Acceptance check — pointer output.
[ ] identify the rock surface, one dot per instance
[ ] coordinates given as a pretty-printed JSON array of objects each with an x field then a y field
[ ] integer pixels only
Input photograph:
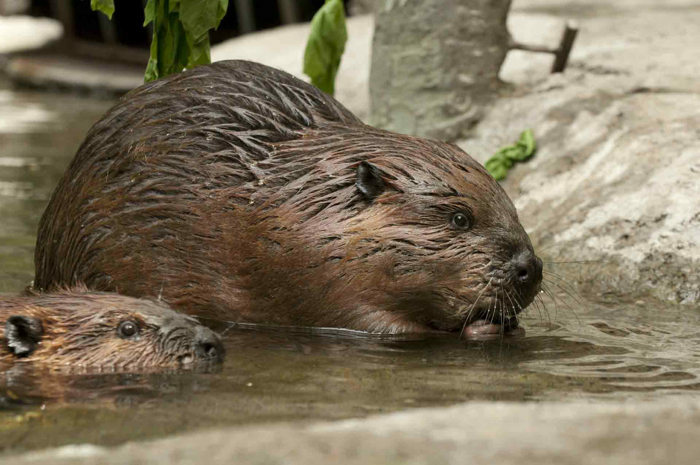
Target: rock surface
[
  {"x": 479, "y": 433},
  {"x": 19, "y": 33},
  {"x": 74, "y": 74}
]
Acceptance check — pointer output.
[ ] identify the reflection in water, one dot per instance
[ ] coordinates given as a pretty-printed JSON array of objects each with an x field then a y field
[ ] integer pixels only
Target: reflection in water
[
  {"x": 598, "y": 351},
  {"x": 26, "y": 115},
  {"x": 25, "y": 384}
]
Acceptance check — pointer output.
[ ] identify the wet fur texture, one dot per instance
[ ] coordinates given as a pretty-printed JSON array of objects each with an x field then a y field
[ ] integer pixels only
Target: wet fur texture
[
  {"x": 231, "y": 189},
  {"x": 80, "y": 330}
]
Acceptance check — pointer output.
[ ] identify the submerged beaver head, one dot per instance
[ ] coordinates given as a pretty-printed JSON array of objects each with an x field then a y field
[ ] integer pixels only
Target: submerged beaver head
[
  {"x": 246, "y": 194},
  {"x": 106, "y": 331}
]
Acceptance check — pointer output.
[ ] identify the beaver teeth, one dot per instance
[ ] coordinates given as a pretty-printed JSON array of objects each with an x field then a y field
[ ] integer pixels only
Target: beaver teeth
[{"x": 480, "y": 328}]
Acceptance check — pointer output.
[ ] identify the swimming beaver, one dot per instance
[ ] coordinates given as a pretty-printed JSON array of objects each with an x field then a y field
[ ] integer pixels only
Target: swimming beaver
[
  {"x": 78, "y": 328},
  {"x": 246, "y": 194}
]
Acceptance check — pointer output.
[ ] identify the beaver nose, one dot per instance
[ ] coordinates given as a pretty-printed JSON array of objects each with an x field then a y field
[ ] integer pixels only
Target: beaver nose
[
  {"x": 207, "y": 345},
  {"x": 528, "y": 269}
]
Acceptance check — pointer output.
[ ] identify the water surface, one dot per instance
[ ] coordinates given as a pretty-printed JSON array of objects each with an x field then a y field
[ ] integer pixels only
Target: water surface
[{"x": 575, "y": 349}]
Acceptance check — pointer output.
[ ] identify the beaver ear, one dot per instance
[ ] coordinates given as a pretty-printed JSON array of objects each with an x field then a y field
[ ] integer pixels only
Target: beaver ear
[
  {"x": 369, "y": 180},
  {"x": 22, "y": 334}
]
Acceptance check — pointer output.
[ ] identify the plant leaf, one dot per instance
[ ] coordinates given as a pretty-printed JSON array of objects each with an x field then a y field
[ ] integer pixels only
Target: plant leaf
[
  {"x": 105, "y": 6},
  {"x": 199, "y": 53},
  {"x": 199, "y": 16},
  {"x": 173, "y": 52},
  {"x": 326, "y": 45},
  {"x": 180, "y": 34},
  {"x": 152, "y": 69},
  {"x": 527, "y": 140},
  {"x": 149, "y": 12},
  {"x": 503, "y": 160},
  {"x": 513, "y": 152},
  {"x": 497, "y": 167}
]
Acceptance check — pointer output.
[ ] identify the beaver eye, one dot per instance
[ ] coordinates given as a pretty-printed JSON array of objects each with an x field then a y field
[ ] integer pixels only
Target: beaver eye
[
  {"x": 461, "y": 221},
  {"x": 127, "y": 329}
]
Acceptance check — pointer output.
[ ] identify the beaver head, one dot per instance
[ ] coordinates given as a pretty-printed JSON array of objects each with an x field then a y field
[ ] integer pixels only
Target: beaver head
[
  {"x": 401, "y": 233},
  {"x": 106, "y": 331}
]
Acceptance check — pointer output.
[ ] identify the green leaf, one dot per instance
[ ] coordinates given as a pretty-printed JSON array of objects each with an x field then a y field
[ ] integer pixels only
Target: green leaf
[
  {"x": 513, "y": 152},
  {"x": 105, "y": 6},
  {"x": 326, "y": 45},
  {"x": 199, "y": 53},
  {"x": 527, "y": 140},
  {"x": 149, "y": 12},
  {"x": 173, "y": 51},
  {"x": 503, "y": 160},
  {"x": 169, "y": 50},
  {"x": 151, "y": 70},
  {"x": 180, "y": 34},
  {"x": 498, "y": 167},
  {"x": 198, "y": 17}
]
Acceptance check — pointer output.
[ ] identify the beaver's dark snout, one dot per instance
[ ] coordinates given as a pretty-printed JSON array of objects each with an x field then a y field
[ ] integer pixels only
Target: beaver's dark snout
[
  {"x": 207, "y": 345},
  {"x": 526, "y": 273}
]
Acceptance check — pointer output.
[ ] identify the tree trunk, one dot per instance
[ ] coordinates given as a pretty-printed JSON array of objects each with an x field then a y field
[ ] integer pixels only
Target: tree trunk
[{"x": 435, "y": 64}]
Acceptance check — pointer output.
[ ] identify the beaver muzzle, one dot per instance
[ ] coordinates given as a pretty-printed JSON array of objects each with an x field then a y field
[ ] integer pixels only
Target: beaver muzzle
[{"x": 511, "y": 288}]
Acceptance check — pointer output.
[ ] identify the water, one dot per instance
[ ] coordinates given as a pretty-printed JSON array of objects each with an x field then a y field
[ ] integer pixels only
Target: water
[
  {"x": 577, "y": 350},
  {"x": 39, "y": 134}
]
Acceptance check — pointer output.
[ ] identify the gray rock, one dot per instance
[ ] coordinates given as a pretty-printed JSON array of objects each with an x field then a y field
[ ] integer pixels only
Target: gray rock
[
  {"x": 63, "y": 72},
  {"x": 361, "y": 7},
  {"x": 640, "y": 433},
  {"x": 18, "y": 33}
]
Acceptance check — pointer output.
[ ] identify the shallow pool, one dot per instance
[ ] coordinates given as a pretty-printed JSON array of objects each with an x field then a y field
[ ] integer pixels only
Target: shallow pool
[{"x": 573, "y": 349}]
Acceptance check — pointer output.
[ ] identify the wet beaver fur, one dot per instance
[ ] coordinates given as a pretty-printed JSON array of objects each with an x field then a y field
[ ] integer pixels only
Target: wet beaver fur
[
  {"x": 78, "y": 328},
  {"x": 243, "y": 193}
]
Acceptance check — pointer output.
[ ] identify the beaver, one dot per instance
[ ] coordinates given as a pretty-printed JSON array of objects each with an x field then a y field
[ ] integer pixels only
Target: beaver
[
  {"x": 246, "y": 194},
  {"x": 79, "y": 328}
]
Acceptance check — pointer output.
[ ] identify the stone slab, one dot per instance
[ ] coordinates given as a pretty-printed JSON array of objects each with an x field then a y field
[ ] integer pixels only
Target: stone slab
[
  {"x": 67, "y": 73},
  {"x": 18, "y": 33},
  {"x": 639, "y": 433}
]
